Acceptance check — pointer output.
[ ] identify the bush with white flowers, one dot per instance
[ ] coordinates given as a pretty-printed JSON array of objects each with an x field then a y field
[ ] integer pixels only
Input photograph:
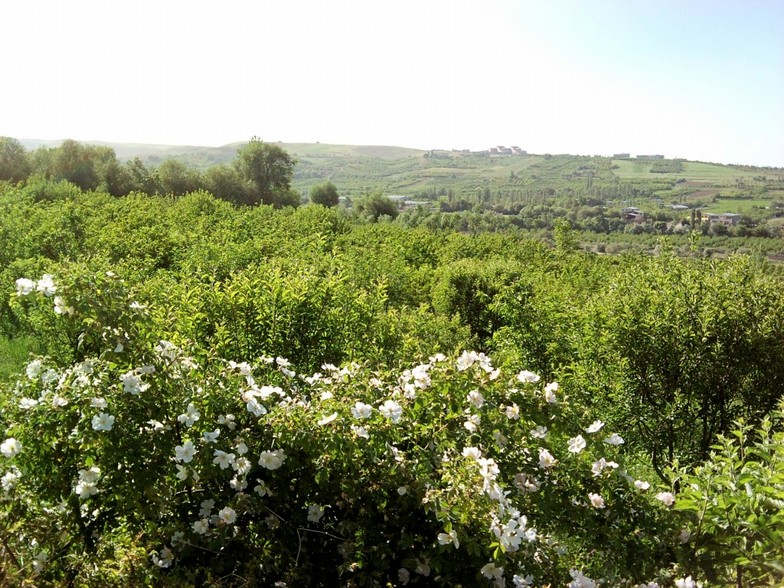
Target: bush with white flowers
[{"x": 158, "y": 463}]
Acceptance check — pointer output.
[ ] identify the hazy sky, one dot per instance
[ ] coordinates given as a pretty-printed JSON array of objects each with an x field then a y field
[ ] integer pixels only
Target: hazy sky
[{"x": 701, "y": 79}]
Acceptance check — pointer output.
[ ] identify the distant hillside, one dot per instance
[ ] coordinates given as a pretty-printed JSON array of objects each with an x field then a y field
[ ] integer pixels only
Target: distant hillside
[{"x": 486, "y": 177}]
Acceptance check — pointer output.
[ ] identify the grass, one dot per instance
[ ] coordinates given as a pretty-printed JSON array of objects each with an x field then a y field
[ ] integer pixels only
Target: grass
[
  {"x": 692, "y": 171},
  {"x": 739, "y": 205},
  {"x": 14, "y": 354}
]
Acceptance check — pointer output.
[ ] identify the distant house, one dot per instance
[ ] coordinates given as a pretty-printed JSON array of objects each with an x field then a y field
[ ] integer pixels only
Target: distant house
[
  {"x": 728, "y": 219},
  {"x": 632, "y": 214},
  {"x": 622, "y": 156},
  {"x": 679, "y": 207}
]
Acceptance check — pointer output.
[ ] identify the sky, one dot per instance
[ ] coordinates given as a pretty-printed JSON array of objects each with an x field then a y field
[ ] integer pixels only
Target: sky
[{"x": 699, "y": 79}]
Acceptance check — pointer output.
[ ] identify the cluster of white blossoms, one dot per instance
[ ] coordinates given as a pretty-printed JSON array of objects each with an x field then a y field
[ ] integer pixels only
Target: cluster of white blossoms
[
  {"x": 8, "y": 480},
  {"x": 10, "y": 448},
  {"x": 46, "y": 285},
  {"x": 580, "y": 580},
  {"x": 512, "y": 532},
  {"x": 415, "y": 379},
  {"x": 87, "y": 484},
  {"x": 469, "y": 358}
]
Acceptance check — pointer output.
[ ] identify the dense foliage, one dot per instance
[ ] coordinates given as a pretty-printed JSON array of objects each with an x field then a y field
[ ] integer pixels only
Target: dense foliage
[{"x": 219, "y": 395}]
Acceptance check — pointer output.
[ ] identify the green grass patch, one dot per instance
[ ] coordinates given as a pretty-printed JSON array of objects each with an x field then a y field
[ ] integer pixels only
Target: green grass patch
[
  {"x": 14, "y": 354},
  {"x": 739, "y": 205}
]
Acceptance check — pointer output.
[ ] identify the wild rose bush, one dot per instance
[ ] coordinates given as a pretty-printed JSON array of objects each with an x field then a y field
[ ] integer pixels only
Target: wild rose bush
[{"x": 146, "y": 461}]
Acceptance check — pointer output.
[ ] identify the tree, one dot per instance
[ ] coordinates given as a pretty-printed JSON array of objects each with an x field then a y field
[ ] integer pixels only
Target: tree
[
  {"x": 374, "y": 205},
  {"x": 175, "y": 178},
  {"x": 267, "y": 171},
  {"x": 224, "y": 182},
  {"x": 14, "y": 163},
  {"x": 325, "y": 194}
]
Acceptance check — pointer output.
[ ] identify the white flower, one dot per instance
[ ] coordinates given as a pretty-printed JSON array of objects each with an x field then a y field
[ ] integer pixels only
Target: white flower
[
  {"x": 466, "y": 360},
  {"x": 238, "y": 484},
  {"x": 472, "y": 452},
  {"x": 185, "y": 452},
  {"x": 527, "y": 377},
  {"x": 492, "y": 571},
  {"x": 472, "y": 423},
  {"x": 360, "y": 432},
  {"x": 326, "y": 395},
  {"x": 60, "y": 307},
  {"x": 10, "y": 447},
  {"x": 685, "y": 583},
  {"x": 404, "y": 576},
  {"x": 190, "y": 416},
  {"x": 361, "y": 410},
  {"x": 549, "y": 392},
  {"x": 315, "y": 512},
  {"x": 27, "y": 403},
  {"x": 599, "y": 466},
  {"x": 58, "y": 401},
  {"x": 88, "y": 482},
  {"x": 522, "y": 582},
  {"x": 164, "y": 559},
  {"x": 614, "y": 439},
  {"x": 223, "y": 459},
  {"x": 684, "y": 536},
  {"x": 327, "y": 419},
  {"x": 182, "y": 473},
  {"x": 33, "y": 369},
  {"x": 596, "y": 500},
  {"x": 450, "y": 537},
  {"x": 9, "y": 479},
  {"x": 391, "y": 410},
  {"x": 641, "y": 485},
  {"x": 402, "y": 490},
  {"x": 202, "y": 526},
  {"x": 594, "y": 427},
  {"x": 546, "y": 460},
  {"x": 46, "y": 285},
  {"x": 262, "y": 489},
  {"x": 475, "y": 397},
  {"x": 422, "y": 568},
  {"x": 24, "y": 286},
  {"x": 241, "y": 448},
  {"x": 157, "y": 426},
  {"x": 667, "y": 498},
  {"x": 539, "y": 432},
  {"x": 132, "y": 383},
  {"x": 211, "y": 436},
  {"x": 206, "y": 507},
  {"x": 227, "y": 516},
  {"x": 255, "y": 407},
  {"x": 580, "y": 581},
  {"x": 512, "y": 412},
  {"x": 103, "y": 422},
  {"x": 99, "y": 403},
  {"x": 272, "y": 460},
  {"x": 241, "y": 465},
  {"x": 576, "y": 444}
]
